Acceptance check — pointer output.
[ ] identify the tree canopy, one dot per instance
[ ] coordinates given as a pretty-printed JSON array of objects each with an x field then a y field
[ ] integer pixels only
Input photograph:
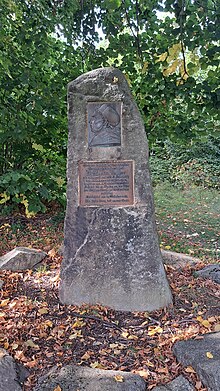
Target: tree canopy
[{"x": 168, "y": 50}]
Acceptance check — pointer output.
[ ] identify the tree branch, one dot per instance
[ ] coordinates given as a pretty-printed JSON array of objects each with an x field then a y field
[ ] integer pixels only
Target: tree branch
[{"x": 181, "y": 21}]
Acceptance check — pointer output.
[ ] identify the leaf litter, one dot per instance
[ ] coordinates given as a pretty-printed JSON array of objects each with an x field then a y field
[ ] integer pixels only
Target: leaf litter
[{"x": 40, "y": 332}]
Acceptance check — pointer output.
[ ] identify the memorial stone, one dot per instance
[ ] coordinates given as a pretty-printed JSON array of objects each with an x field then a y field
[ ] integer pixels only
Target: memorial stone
[{"x": 111, "y": 250}]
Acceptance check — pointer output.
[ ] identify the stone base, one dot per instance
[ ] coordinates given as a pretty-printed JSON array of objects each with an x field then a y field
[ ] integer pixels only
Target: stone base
[
  {"x": 118, "y": 263},
  {"x": 194, "y": 353},
  {"x": 74, "y": 378}
]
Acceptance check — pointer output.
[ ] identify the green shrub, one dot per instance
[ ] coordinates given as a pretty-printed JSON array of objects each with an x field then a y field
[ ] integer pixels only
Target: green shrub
[
  {"x": 160, "y": 170},
  {"x": 197, "y": 164},
  {"x": 32, "y": 188},
  {"x": 197, "y": 172}
]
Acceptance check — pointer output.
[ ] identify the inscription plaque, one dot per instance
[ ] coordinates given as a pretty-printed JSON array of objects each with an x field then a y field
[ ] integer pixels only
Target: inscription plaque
[
  {"x": 107, "y": 183},
  {"x": 104, "y": 124}
]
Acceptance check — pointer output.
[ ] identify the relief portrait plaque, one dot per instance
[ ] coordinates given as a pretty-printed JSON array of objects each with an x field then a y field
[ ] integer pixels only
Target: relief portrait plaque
[
  {"x": 104, "y": 124},
  {"x": 106, "y": 183}
]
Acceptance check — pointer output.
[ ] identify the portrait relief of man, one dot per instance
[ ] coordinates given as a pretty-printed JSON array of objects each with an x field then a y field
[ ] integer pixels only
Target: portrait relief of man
[{"x": 104, "y": 124}]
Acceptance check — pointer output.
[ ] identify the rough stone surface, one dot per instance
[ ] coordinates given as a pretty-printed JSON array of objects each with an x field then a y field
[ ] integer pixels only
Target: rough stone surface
[
  {"x": 12, "y": 375},
  {"x": 178, "y": 259},
  {"x": 193, "y": 353},
  {"x": 178, "y": 384},
  {"x": 21, "y": 258},
  {"x": 210, "y": 271},
  {"x": 73, "y": 378},
  {"x": 111, "y": 254}
]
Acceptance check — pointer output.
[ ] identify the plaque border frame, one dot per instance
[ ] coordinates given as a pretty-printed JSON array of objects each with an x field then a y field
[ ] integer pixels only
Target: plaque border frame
[{"x": 132, "y": 162}]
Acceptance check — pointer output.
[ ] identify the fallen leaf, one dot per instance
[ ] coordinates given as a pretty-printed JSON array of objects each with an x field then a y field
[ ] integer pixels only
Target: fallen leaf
[
  {"x": 117, "y": 352},
  {"x": 14, "y": 346},
  {"x": 119, "y": 378},
  {"x": 189, "y": 370},
  {"x": 154, "y": 330},
  {"x": 4, "y": 302},
  {"x": 203, "y": 322},
  {"x": 206, "y": 324},
  {"x": 31, "y": 344},
  {"x": 212, "y": 319},
  {"x": 57, "y": 388},
  {"x": 124, "y": 334},
  {"x": 86, "y": 356},
  {"x": 209, "y": 355},
  {"x": 144, "y": 323},
  {"x": 113, "y": 345},
  {"x": 77, "y": 334},
  {"x": 132, "y": 337},
  {"x": 19, "y": 355},
  {"x": 78, "y": 323},
  {"x": 96, "y": 364},
  {"x": 149, "y": 364},
  {"x": 217, "y": 327},
  {"x": 143, "y": 373},
  {"x": 42, "y": 311},
  {"x": 56, "y": 278},
  {"x": 47, "y": 323},
  {"x": 52, "y": 253},
  {"x": 31, "y": 364}
]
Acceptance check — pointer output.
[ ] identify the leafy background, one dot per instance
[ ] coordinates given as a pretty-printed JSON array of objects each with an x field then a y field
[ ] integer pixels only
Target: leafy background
[{"x": 169, "y": 53}]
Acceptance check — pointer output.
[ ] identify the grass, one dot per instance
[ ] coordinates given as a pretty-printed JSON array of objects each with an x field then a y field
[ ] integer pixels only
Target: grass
[{"x": 188, "y": 219}]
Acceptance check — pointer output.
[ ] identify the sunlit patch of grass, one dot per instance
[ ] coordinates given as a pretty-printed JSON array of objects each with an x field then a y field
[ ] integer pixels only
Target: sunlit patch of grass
[{"x": 188, "y": 220}]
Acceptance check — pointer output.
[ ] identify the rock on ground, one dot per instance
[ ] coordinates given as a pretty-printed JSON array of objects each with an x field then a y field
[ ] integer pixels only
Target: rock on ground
[
  {"x": 194, "y": 353},
  {"x": 76, "y": 378},
  {"x": 178, "y": 259},
  {"x": 21, "y": 258},
  {"x": 210, "y": 271},
  {"x": 178, "y": 384},
  {"x": 12, "y": 374}
]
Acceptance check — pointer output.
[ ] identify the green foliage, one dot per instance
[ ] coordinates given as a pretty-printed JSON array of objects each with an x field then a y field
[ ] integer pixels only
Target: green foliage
[
  {"x": 33, "y": 130},
  {"x": 32, "y": 188},
  {"x": 185, "y": 166},
  {"x": 171, "y": 60},
  {"x": 168, "y": 51}
]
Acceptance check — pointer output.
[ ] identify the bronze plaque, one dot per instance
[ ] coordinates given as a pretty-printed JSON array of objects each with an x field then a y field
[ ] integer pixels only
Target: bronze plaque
[
  {"x": 109, "y": 183},
  {"x": 104, "y": 124}
]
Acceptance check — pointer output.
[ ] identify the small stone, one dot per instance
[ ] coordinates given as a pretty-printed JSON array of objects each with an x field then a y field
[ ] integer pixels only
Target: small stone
[
  {"x": 210, "y": 271},
  {"x": 178, "y": 260},
  {"x": 1, "y": 284},
  {"x": 21, "y": 258},
  {"x": 178, "y": 384},
  {"x": 12, "y": 374},
  {"x": 194, "y": 353},
  {"x": 73, "y": 378}
]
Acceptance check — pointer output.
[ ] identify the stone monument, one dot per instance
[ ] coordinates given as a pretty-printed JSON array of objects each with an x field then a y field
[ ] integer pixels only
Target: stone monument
[{"x": 111, "y": 250}]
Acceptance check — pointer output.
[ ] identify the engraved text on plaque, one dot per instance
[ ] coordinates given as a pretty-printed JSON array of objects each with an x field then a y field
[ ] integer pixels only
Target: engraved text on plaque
[{"x": 107, "y": 183}]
